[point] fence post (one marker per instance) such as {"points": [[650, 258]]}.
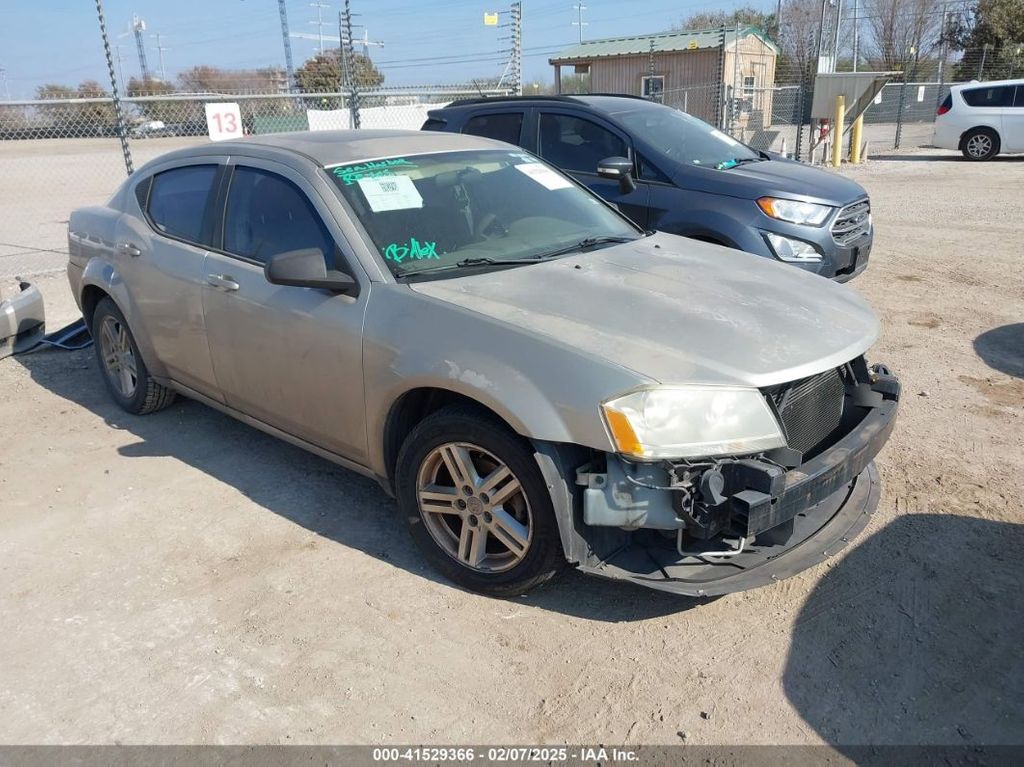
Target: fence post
{"points": [[899, 112], [721, 79], [122, 133]]}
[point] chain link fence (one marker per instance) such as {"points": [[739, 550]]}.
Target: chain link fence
{"points": [[60, 154]]}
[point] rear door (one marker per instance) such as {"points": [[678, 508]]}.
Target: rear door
{"points": [[288, 356], [507, 125], [576, 144], [160, 258], [990, 106]]}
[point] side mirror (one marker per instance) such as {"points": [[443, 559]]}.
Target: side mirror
{"points": [[306, 268], [619, 169]]}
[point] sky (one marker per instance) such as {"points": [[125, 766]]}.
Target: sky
{"points": [[425, 42]]}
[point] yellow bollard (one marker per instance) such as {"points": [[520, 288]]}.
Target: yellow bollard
{"points": [[858, 127], [837, 132]]}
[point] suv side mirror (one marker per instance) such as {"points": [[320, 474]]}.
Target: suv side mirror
{"points": [[619, 169], [306, 268]]}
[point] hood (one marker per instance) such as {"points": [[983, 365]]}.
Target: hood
{"points": [[775, 178], [677, 311]]}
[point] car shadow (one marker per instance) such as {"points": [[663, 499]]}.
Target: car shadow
{"points": [[1002, 348], [914, 638], [332, 502]]}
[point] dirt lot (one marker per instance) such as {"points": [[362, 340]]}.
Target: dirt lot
{"points": [[183, 578]]}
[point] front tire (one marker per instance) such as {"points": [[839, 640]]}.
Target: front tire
{"points": [[123, 370], [980, 144], [476, 503]]}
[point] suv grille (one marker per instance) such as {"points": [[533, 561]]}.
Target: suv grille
{"points": [[810, 409], [852, 223]]}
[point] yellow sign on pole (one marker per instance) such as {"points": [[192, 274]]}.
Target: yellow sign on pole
{"points": [[490, 19]]}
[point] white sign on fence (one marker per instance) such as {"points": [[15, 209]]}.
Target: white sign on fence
{"points": [[224, 121], [920, 93]]}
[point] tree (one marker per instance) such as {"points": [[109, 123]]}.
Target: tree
{"points": [[738, 17], [165, 111], [991, 36], [798, 39], [323, 73], [82, 119], [901, 31], [207, 79]]}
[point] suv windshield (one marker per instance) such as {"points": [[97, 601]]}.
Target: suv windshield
{"points": [[451, 209], [683, 138]]}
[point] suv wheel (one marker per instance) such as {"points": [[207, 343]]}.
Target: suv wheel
{"points": [[123, 369], [476, 503], [980, 144]]}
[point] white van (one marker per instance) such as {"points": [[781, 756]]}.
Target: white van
{"points": [[982, 119]]}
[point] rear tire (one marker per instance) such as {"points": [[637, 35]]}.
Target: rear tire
{"points": [[980, 144], [476, 503], [123, 370]]}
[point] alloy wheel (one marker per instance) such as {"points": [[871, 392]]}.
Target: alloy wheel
{"points": [[979, 145], [118, 357], [474, 507]]}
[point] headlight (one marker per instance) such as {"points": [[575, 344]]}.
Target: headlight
{"points": [[795, 212], [691, 422], [790, 249]]}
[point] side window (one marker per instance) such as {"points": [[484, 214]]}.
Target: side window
{"points": [[503, 127], [178, 201], [572, 143], [1001, 96], [267, 214], [649, 173], [1019, 100]]}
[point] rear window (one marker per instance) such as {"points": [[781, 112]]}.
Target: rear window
{"points": [[178, 201], [503, 127], [433, 123], [999, 96]]}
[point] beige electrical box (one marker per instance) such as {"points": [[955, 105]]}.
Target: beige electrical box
{"points": [[857, 88]]}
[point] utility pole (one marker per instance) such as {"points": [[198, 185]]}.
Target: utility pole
{"points": [[319, 23], [856, 34], [517, 48], [835, 36], [350, 77], [120, 66], [579, 18], [139, 27], [160, 49], [942, 56], [289, 67]]}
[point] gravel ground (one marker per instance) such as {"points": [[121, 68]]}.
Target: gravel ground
{"points": [[182, 578]]}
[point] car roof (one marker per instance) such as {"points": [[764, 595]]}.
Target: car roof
{"points": [[336, 147], [602, 102], [986, 84]]}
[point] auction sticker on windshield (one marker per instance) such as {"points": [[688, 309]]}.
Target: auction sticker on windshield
{"points": [[544, 176], [390, 193]]}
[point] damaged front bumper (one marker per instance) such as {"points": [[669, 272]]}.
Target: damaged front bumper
{"points": [[764, 524], [22, 320]]}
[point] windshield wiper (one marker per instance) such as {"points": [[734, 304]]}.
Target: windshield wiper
{"points": [[727, 164], [587, 242], [584, 244]]}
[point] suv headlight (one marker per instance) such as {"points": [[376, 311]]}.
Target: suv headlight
{"points": [[794, 211], [691, 422]]}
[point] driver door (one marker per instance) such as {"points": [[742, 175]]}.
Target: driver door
{"points": [[290, 357], [577, 144]]}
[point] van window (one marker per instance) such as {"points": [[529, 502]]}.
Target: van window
{"points": [[503, 127], [999, 96]]}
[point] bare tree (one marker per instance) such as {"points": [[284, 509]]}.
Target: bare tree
{"points": [[900, 31], [798, 39]]}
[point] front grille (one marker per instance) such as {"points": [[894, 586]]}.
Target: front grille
{"points": [[852, 223], [810, 409]]}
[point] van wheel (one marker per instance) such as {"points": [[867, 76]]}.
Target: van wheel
{"points": [[123, 369], [980, 144], [476, 503]]}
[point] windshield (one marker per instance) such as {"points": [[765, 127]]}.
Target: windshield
{"points": [[683, 138], [428, 212]]}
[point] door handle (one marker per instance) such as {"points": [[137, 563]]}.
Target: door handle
{"points": [[222, 281], [128, 249]]}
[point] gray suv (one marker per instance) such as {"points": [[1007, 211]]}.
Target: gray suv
{"points": [[539, 382], [672, 172]]}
